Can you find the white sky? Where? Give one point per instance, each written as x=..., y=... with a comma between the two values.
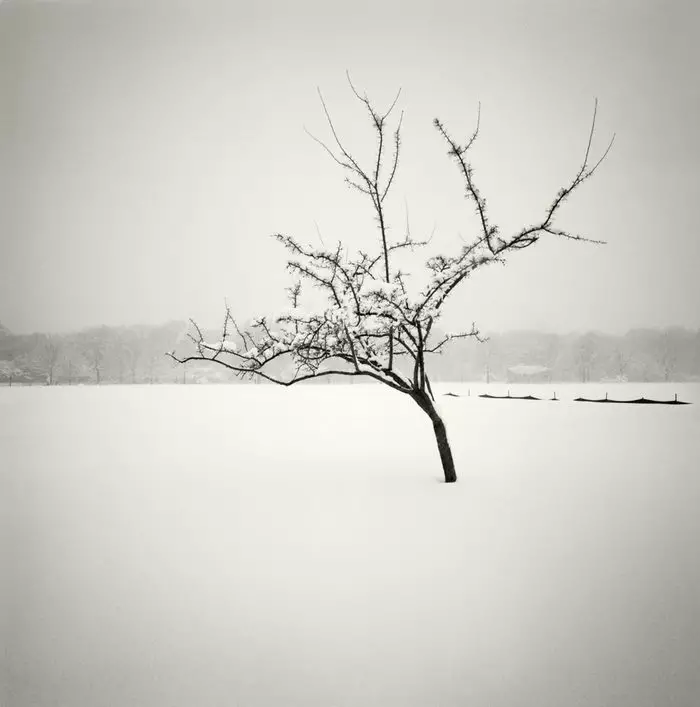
x=147, y=151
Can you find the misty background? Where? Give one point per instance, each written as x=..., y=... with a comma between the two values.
x=149, y=149
x=137, y=354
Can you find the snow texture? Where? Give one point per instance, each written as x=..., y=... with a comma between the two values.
x=255, y=546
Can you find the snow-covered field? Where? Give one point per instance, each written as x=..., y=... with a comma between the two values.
x=250, y=546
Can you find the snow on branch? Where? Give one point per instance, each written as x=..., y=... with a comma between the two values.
x=489, y=247
x=368, y=318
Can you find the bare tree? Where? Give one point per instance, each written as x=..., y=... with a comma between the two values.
x=585, y=357
x=552, y=353
x=71, y=359
x=10, y=372
x=666, y=354
x=49, y=354
x=622, y=360
x=489, y=360
x=373, y=320
x=92, y=348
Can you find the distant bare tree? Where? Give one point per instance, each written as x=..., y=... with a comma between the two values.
x=10, y=373
x=622, y=361
x=71, y=360
x=92, y=349
x=552, y=353
x=666, y=354
x=49, y=353
x=585, y=356
x=490, y=356
x=373, y=318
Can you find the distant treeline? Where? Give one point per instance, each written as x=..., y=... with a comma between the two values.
x=98, y=355
x=136, y=354
x=645, y=355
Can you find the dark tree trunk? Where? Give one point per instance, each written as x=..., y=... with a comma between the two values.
x=425, y=403
x=448, y=465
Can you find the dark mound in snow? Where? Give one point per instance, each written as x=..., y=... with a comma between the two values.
x=636, y=401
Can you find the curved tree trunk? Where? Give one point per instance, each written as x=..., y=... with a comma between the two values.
x=448, y=466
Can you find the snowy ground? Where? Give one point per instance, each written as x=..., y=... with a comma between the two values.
x=250, y=546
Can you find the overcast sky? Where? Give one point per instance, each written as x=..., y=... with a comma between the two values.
x=148, y=150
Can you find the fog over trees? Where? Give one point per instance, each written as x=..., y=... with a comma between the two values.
x=136, y=355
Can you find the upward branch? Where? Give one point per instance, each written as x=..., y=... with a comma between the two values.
x=489, y=246
x=369, y=319
x=370, y=181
